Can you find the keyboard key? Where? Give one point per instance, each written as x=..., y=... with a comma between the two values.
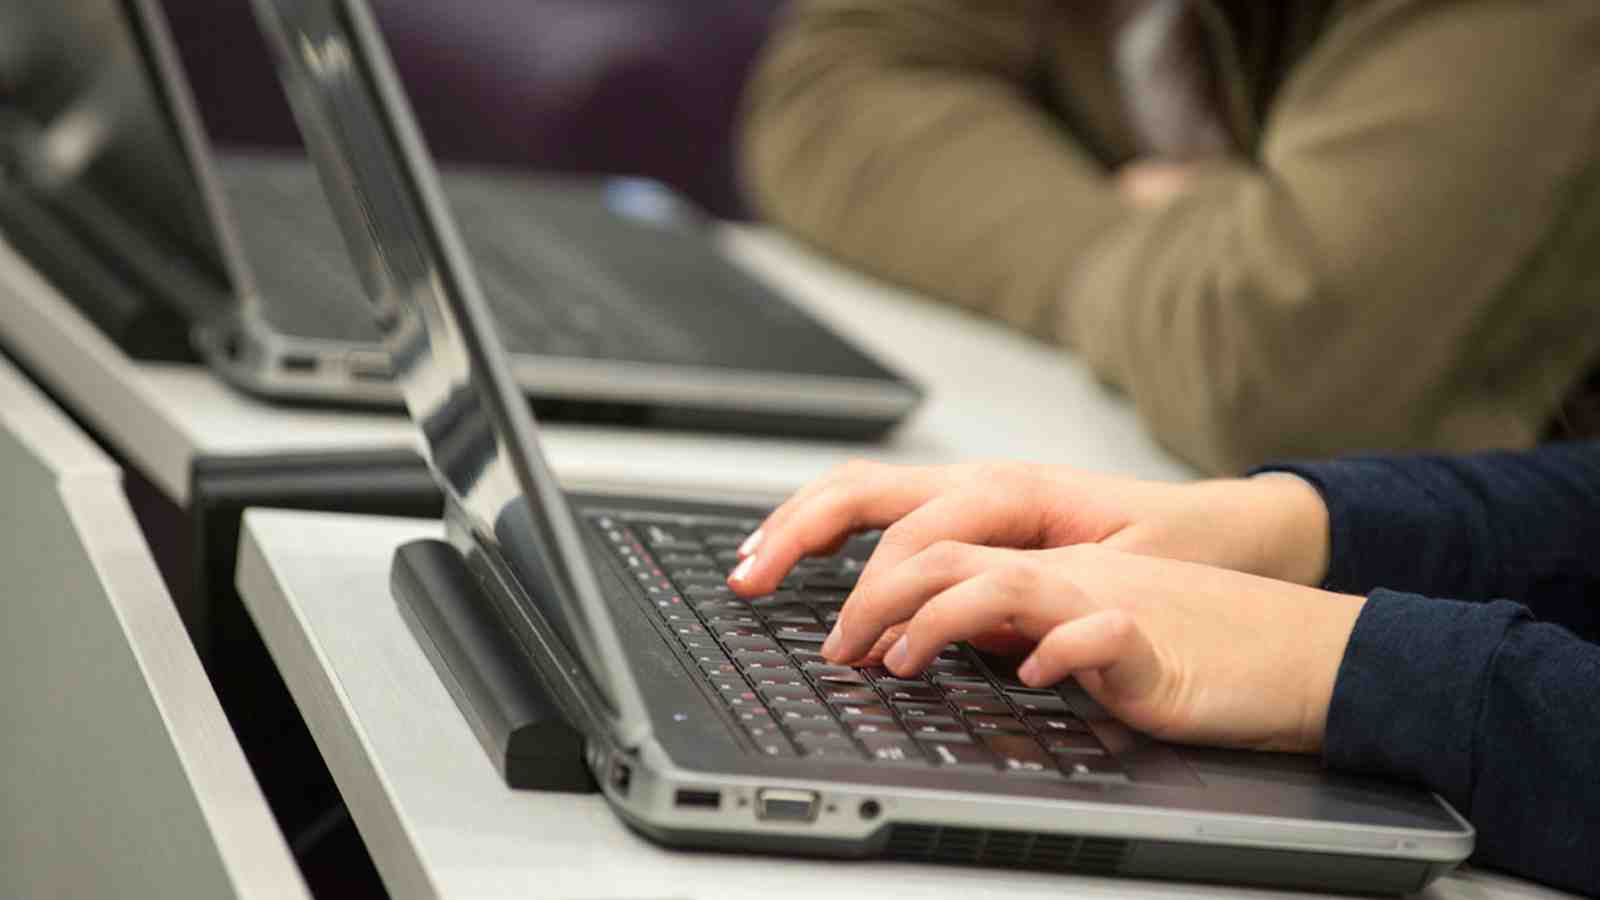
x=1058, y=725
x=982, y=706
x=944, y=734
x=807, y=657
x=818, y=728
x=776, y=692
x=811, y=634
x=732, y=632
x=726, y=668
x=1040, y=704
x=788, y=615
x=925, y=713
x=750, y=660
x=831, y=674
x=744, y=701
x=830, y=581
x=1020, y=754
x=1005, y=724
x=960, y=756
x=878, y=715
x=768, y=677
x=1095, y=770
x=686, y=560
x=709, y=608
x=710, y=592
x=733, y=620
x=729, y=684
x=668, y=538
x=710, y=657
x=1074, y=745
x=754, y=717
x=776, y=747
x=684, y=630
x=751, y=643
x=726, y=558
x=862, y=729
x=909, y=692
x=722, y=539
x=953, y=686
x=688, y=576
x=829, y=750
x=854, y=696
x=802, y=715
x=959, y=668
x=893, y=750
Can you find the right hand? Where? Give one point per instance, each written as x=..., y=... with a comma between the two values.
x=1272, y=526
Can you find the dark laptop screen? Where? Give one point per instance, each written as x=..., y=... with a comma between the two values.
x=84, y=121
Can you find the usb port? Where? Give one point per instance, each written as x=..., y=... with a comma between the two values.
x=692, y=799
x=776, y=805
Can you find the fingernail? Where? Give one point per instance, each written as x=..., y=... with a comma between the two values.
x=896, y=657
x=1029, y=672
x=751, y=543
x=742, y=570
x=831, y=645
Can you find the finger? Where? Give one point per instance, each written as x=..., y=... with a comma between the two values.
x=822, y=516
x=875, y=656
x=984, y=514
x=1004, y=642
x=1095, y=642
x=896, y=597
x=1021, y=594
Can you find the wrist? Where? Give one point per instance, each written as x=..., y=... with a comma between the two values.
x=1292, y=537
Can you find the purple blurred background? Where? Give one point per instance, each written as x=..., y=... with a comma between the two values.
x=642, y=87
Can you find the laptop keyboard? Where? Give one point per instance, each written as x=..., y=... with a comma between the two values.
x=761, y=657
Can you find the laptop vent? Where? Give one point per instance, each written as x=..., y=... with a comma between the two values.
x=931, y=843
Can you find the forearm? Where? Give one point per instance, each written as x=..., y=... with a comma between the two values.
x=1517, y=525
x=900, y=136
x=1490, y=709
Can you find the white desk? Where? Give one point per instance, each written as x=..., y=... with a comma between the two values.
x=437, y=818
x=119, y=775
x=985, y=387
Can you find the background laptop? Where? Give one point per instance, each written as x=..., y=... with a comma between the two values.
x=712, y=721
x=610, y=294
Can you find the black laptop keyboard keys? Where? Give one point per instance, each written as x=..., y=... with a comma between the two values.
x=760, y=656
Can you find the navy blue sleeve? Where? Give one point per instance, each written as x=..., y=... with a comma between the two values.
x=1523, y=526
x=1494, y=711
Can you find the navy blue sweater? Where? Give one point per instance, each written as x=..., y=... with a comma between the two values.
x=1492, y=698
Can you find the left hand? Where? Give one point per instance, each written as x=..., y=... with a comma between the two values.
x=1180, y=651
x=1152, y=183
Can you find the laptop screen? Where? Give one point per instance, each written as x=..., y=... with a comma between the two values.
x=480, y=436
x=89, y=118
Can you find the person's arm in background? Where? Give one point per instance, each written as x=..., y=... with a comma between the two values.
x=1400, y=270
x=1519, y=526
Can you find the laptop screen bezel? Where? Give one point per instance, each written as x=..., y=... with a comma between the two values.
x=453, y=371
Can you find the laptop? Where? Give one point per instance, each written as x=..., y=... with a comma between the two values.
x=610, y=293
x=713, y=722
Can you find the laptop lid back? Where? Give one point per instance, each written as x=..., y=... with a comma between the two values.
x=481, y=440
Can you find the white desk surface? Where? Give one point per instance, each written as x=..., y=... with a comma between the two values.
x=992, y=394
x=438, y=819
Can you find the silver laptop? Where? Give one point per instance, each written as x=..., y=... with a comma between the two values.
x=712, y=721
x=610, y=293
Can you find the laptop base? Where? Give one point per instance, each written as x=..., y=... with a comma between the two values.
x=493, y=684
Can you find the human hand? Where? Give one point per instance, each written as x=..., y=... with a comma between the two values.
x=1274, y=526
x=1180, y=651
x=1152, y=184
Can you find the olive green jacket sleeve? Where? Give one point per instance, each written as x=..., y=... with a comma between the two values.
x=1410, y=259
